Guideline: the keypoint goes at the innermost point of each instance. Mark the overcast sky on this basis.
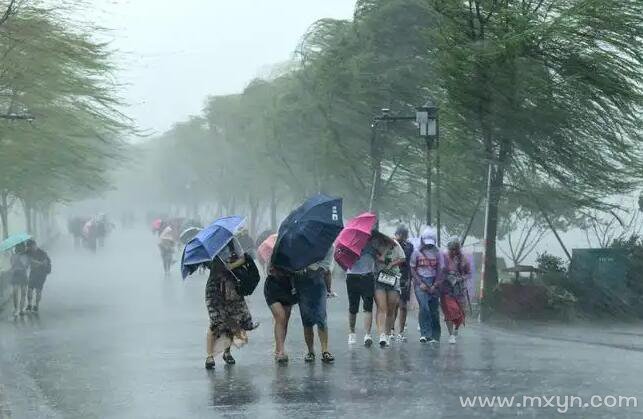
(175, 53)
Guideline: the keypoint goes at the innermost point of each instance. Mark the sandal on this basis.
(281, 359)
(310, 357)
(228, 359)
(209, 362)
(328, 358)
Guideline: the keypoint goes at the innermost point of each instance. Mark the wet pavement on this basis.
(115, 339)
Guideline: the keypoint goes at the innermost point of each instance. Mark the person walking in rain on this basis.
(167, 244)
(40, 267)
(280, 296)
(360, 285)
(313, 286)
(426, 266)
(402, 237)
(230, 318)
(387, 284)
(456, 274)
(19, 277)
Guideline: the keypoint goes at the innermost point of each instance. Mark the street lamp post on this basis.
(426, 118)
(429, 129)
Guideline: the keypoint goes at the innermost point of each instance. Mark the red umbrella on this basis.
(265, 249)
(353, 238)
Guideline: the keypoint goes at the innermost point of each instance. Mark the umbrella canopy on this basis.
(306, 235)
(156, 224)
(353, 238)
(14, 240)
(208, 243)
(188, 234)
(266, 247)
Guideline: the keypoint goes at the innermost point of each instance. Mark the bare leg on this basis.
(281, 314)
(393, 299)
(368, 322)
(209, 342)
(30, 292)
(38, 296)
(309, 337)
(449, 326)
(352, 319)
(323, 338)
(402, 316)
(380, 301)
(23, 297)
(16, 297)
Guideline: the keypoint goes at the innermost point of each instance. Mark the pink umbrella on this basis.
(156, 224)
(265, 249)
(353, 238)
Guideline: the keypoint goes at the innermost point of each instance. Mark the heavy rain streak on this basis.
(321, 209)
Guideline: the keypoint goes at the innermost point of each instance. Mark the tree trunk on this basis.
(376, 170)
(28, 218)
(253, 204)
(4, 213)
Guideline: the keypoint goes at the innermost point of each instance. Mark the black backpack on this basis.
(247, 276)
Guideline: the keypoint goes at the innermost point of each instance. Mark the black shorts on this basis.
(36, 282)
(405, 289)
(360, 287)
(279, 290)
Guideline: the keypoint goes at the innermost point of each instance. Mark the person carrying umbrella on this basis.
(426, 265)
(354, 251)
(167, 244)
(304, 252)
(230, 318)
(40, 267)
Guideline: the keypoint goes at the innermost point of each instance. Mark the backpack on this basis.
(247, 276)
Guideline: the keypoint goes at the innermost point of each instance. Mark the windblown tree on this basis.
(551, 89)
(55, 72)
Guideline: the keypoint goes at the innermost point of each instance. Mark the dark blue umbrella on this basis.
(208, 243)
(307, 234)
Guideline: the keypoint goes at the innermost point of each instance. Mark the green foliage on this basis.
(54, 70)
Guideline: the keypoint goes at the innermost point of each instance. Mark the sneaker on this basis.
(310, 357)
(368, 341)
(228, 358)
(452, 339)
(28, 309)
(383, 341)
(433, 340)
(401, 338)
(423, 339)
(392, 338)
(352, 339)
(34, 309)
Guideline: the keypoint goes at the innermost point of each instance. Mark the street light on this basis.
(427, 119)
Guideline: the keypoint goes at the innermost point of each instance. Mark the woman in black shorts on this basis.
(280, 297)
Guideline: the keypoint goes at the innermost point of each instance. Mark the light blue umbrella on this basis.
(208, 243)
(13, 241)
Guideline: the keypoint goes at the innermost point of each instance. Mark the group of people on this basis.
(90, 231)
(30, 266)
(388, 270)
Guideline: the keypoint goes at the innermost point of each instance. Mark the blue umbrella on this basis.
(208, 243)
(13, 241)
(307, 234)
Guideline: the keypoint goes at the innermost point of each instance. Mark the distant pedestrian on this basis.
(360, 285)
(402, 237)
(313, 286)
(426, 265)
(19, 278)
(387, 285)
(230, 319)
(456, 274)
(39, 268)
(280, 296)
(167, 245)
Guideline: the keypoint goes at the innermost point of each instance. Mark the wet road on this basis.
(115, 339)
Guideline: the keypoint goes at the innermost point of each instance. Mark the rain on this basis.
(347, 208)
